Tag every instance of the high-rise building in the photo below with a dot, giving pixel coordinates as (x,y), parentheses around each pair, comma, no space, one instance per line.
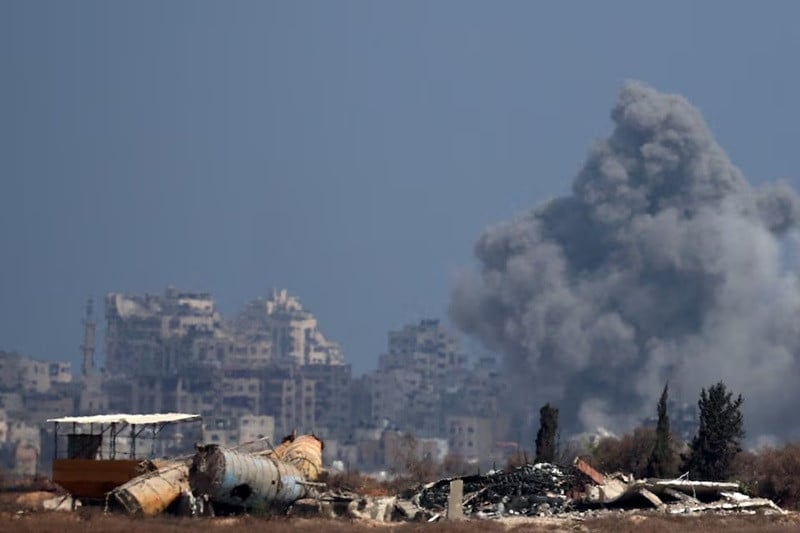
(153,335)
(177,354)
(409,385)
(293,331)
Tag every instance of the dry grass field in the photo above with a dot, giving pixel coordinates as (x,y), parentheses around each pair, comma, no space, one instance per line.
(89,519)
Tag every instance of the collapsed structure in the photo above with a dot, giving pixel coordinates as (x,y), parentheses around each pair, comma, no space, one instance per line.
(527,490)
(102,465)
(675,496)
(228,478)
(546,489)
(97,453)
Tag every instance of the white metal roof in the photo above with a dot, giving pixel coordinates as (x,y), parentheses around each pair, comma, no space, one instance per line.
(158,418)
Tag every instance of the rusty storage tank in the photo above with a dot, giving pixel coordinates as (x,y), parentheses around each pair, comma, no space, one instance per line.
(151,493)
(305,452)
(245,480)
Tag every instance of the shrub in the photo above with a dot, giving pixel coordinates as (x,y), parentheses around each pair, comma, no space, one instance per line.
(517,459)
(772,473)
(455,465)
(628,454)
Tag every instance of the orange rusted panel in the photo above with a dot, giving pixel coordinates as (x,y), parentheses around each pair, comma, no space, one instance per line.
(587,469)
(90,478)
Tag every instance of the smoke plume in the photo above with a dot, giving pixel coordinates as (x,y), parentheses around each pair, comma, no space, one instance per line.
(663,263)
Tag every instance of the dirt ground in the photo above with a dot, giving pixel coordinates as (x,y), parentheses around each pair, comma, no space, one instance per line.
(15,517)
(83,522)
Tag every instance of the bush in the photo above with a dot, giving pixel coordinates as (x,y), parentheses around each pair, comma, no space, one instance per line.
(772,473)
(569,450)
(410,464)
(517,459)
(628,454)
(454,465)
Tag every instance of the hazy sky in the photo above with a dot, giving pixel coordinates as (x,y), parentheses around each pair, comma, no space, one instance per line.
(351,152)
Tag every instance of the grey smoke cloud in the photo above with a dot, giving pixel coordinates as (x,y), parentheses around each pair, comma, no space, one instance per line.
(662,263)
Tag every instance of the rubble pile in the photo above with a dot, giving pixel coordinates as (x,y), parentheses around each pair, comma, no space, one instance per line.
(227,477)
(287,479)
(672,496)
(528,490)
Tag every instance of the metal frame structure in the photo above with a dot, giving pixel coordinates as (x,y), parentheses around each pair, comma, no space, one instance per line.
(88,472)
(115,424)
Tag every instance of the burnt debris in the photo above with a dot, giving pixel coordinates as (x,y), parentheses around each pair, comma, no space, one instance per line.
(528,490)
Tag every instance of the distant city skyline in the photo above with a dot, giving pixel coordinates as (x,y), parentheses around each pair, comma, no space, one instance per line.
(350,152)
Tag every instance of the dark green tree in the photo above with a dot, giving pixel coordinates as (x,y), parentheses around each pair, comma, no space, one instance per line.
(662,458)
(719,437)
(546,437)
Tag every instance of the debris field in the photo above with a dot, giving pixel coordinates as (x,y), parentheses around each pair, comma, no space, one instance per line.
(285,481)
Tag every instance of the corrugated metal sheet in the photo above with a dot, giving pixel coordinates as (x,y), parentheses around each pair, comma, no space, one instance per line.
(245,480)
(157,418)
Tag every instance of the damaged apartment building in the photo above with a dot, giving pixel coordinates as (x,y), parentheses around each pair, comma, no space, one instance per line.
(31,390)
(268,371)
(425,386)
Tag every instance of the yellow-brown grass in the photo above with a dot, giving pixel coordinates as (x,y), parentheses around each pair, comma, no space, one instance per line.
(93,519)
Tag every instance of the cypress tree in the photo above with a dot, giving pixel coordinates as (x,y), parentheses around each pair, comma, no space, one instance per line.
(662,460)
(546,437)
(719,436)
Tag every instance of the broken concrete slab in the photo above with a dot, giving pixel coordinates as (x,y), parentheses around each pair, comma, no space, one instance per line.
(32,500)
(379,508)
(312,508)
(61,503)
(681,496)
(671,495)
(407,510)
(744,504)
(45,500)
(701,490)
(652,498)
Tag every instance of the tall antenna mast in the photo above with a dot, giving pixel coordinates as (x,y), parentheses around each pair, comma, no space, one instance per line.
(87,347)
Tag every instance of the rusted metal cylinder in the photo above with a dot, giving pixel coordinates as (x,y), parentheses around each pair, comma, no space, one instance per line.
(151,493)
(245,480)
(305,452)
